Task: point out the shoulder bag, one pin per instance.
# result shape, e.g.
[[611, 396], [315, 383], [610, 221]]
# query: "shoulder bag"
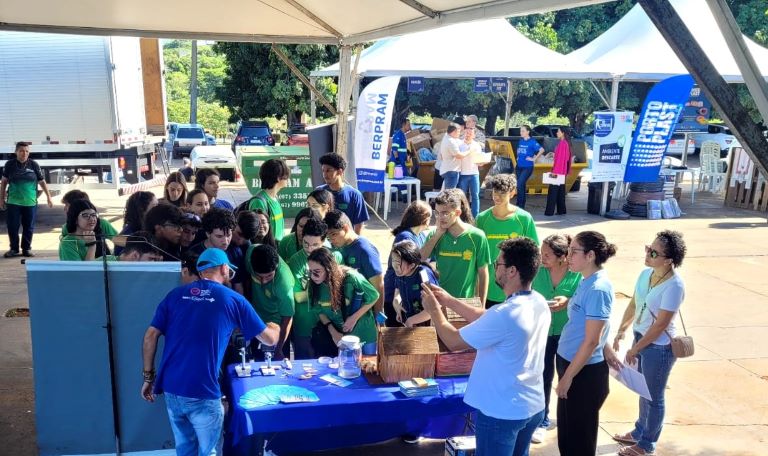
[[682, 346]]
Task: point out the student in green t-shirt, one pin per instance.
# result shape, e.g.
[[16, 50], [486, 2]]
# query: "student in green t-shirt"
[[557, 284], [291, 243], [305, 317], [343, 299], [73, 195], [501, 222], [20, 177], [81, 244], [271, 291], [274, 175], [459, 249]]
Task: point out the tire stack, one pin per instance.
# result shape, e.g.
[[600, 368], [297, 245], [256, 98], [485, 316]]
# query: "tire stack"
[[639, 195]]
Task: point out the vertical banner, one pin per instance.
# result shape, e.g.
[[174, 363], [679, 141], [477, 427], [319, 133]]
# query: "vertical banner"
[[372, 125], [696, 113], [655, 126], [610, 146], [415, 84]]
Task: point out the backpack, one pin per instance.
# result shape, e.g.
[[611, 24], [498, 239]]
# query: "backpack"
[[247, 203]]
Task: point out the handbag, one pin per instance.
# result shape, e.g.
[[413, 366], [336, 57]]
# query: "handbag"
[[682, 346]]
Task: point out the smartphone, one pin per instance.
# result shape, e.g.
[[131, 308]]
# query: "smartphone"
[[552, 303], [424, 276]]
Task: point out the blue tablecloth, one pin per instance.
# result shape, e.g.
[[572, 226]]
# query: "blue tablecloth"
[[358, 414]]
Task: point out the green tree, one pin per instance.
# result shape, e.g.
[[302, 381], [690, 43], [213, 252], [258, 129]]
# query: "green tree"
[[258, 84]]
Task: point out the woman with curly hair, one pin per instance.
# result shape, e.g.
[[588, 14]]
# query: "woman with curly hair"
[[659, 293]]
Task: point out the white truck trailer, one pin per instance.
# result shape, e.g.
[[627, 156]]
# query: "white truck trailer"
[[79, 101]]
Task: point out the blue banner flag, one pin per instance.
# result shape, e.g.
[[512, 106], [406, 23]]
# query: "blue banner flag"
[[696, 113], [499, 85], [482, 85], [657, 121], [415, 84]]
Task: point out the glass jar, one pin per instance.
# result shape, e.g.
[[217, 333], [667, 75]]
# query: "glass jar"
[[350, 353]]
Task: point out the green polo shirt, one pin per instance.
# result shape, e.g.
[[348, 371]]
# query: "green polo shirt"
[[287, 246], [458, 260], [271, 206], [567, 287], [520, 223], [354, 282], [22, 181]]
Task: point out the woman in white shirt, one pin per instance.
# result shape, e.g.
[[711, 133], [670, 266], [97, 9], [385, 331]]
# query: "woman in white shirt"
[[469, 177], [450, 157], [659, 292]]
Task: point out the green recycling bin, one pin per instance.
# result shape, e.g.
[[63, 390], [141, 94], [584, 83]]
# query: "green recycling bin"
[[293, 198]]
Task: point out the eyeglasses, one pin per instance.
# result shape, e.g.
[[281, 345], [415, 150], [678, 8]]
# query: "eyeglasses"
[[191, 217], [498, 265], [653, 253], [316, 273], [571, 250], [443, 214], [89, 215]]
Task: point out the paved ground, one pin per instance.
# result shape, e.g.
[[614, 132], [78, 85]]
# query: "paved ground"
[[717, 400]]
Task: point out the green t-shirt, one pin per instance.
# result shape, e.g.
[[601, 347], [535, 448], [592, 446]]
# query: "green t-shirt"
[[72, 248], [567, 287], [273, 300], [287, 246], [520, 223], [106, 228], [304, 317], [270, 206], [458, 260], [354, 282]]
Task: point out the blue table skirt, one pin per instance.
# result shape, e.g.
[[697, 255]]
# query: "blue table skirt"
[[351, 416]]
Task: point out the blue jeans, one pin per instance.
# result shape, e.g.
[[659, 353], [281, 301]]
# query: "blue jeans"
[[450, 179], [470, 185], [655, 363], [20, 217], [504, 437], [196, 424], [523, 174]]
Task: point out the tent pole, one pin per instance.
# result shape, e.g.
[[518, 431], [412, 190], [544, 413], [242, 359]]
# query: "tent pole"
[[600, 93], [342, 103], [614, 104], [507, 109], [312, 102]]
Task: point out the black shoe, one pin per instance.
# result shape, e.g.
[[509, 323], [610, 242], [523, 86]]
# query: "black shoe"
[[27, 253], [11, 254]]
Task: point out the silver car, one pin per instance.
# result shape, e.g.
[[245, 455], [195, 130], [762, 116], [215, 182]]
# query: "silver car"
[[677, 145]]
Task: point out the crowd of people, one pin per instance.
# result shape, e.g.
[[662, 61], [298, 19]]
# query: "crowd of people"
[[545, 303]]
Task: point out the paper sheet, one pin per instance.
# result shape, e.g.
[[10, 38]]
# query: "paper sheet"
[[480, 157], [547, 178], [633, 380]]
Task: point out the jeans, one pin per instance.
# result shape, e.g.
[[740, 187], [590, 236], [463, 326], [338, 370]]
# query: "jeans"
[[555, 197], [578, 416], [24, 217], [549, 375], [450, 179], [196, 424], [655, 363], [523, 174], [470, 185], [494, 436]]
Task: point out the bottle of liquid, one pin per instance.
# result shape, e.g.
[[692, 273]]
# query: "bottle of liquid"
[[350, 353], [391, 170]]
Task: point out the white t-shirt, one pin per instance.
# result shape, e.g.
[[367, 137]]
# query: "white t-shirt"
[[667, 295], [510, 338], [469, 167], [449, 147]]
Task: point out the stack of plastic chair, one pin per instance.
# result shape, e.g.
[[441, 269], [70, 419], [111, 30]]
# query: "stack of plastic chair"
[[711, 176]]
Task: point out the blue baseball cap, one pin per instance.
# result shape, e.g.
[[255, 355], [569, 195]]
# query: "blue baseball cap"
[[211, 258]]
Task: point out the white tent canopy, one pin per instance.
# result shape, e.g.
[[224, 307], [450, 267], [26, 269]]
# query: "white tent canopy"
[[291, 21], [462, 51], [634, 50]]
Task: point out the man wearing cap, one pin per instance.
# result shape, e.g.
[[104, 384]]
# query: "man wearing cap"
[[197, 320]]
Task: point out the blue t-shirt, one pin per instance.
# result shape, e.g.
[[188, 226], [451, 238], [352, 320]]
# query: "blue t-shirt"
[[197, 320], [349, 201], [527, 148], [223, 204], [410, 289], [363, 256], [389, 276], [592, 301], [236, 255]]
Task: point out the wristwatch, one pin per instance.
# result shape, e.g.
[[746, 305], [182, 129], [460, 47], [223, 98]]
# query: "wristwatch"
[[149, 376]]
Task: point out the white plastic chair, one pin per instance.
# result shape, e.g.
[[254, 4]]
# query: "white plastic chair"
[[711, 176]]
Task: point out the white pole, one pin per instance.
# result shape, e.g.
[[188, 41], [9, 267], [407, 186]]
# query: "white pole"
[[342, 103], [614, 104]]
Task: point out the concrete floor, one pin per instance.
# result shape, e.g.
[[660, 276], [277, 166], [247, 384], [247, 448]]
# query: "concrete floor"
[[717, 401]]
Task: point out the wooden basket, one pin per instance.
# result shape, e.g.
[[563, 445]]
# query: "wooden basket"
[[404, 353], [449, 363]]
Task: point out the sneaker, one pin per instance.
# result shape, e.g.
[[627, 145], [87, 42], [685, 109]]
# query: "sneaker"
[[27, 253], [411, 438], [11, 254], [538, 435]]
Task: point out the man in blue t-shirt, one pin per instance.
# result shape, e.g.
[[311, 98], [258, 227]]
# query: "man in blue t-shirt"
[[528, 151], [399, 141], [356, 251], [197, 320], [347, 199]]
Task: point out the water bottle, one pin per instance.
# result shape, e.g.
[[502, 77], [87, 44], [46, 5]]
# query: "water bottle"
[[350, 353], [391, 170]]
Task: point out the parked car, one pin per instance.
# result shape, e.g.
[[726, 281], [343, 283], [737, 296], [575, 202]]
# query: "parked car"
[[425, 127], [218, 157], [718, 133], [677, 145], [187, 137], [513, 131], [546, 130], [253, 133], [297, 135], [210, 140]]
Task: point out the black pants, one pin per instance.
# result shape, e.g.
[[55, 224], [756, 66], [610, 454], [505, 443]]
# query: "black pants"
[[579, 415], [555, 197], [549, 373]]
